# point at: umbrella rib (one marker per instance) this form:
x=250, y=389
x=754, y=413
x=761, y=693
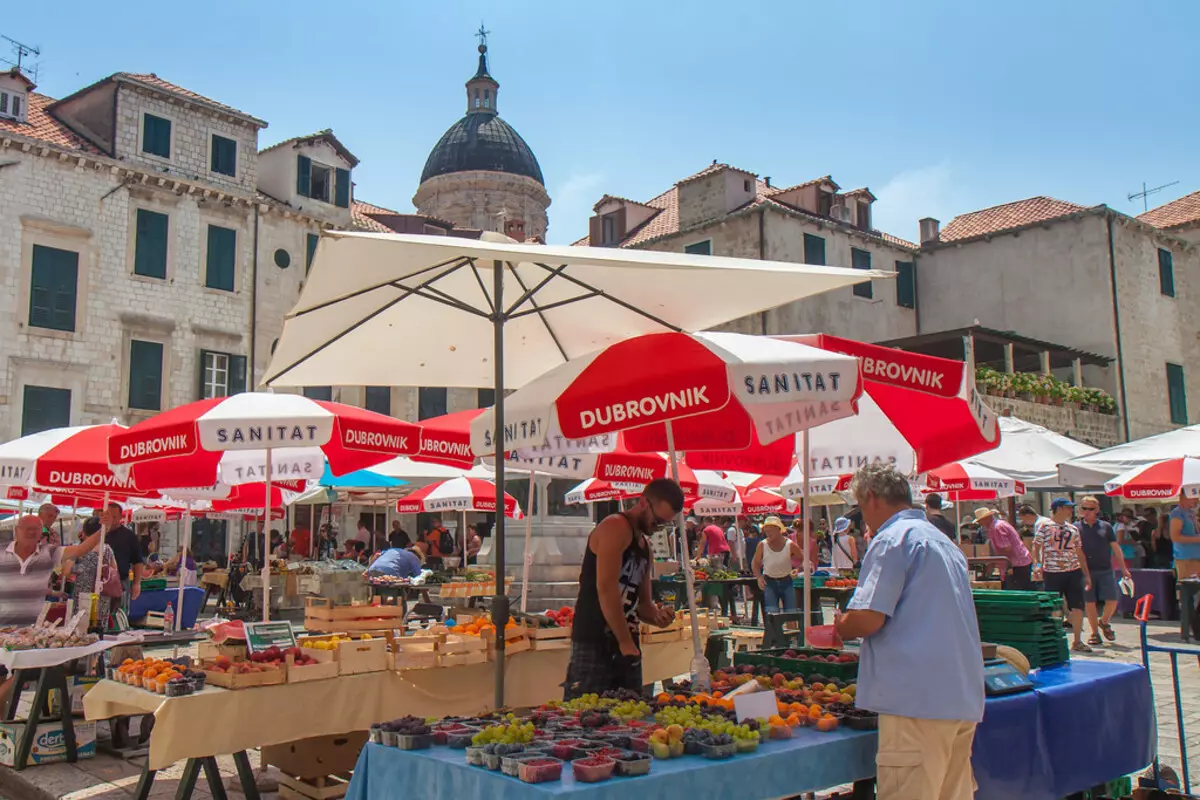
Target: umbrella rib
x=616, y=300
x=528, y=296
x=438, y=296
x=389, y=282
x=541, y=316
x=482, y=288
x=555, y=304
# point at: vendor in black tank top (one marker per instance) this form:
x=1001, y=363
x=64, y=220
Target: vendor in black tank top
x=614, y=595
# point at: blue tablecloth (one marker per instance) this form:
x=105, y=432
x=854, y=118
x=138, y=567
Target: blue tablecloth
x=1085, y=724
x=193, y=597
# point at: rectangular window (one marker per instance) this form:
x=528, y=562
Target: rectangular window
x=864, y=216
x=223, y=156
x=222, y=258
x=150, y=246
x=906, y=284
x=312, y=251
x=608, y=229
x=378, y=399
x=319, y=393
x=16, y=106
x=814, y=250
x=1177, y=394
x=145, y=375
x=320, y=181
x=4, y=103
x=1166, y=272
x=861, y=259
x=431, y=402
x=43, y=408
x=221, y=374
x=156, y=136
x=699, y=248
x=485, y=398
x=53, y=282
x=824, y=203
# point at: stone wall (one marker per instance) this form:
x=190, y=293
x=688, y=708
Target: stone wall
x=483, y=199
x=1090, y=427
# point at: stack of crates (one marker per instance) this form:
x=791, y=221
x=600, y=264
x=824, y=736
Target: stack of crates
x=1027, y=621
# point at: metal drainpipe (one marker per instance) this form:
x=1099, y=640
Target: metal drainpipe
x=251, y=383
x=762, y=256
x=1112, y=277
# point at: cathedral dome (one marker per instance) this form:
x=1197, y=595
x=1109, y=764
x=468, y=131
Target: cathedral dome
x=482, y=141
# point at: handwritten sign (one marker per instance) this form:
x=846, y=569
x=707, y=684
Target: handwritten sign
x=261, y=635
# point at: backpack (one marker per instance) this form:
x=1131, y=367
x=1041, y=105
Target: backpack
x=446, y=543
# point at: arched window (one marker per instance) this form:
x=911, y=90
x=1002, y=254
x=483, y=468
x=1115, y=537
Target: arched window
x=487, y=99
x=477, y=98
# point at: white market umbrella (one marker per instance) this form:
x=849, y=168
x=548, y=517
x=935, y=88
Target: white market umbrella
x=1161, y=480
x=1031, y=454
x=1094, y=469
x=968, y=476
x=497, y=313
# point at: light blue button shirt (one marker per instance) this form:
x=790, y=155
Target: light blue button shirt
x=925, y=661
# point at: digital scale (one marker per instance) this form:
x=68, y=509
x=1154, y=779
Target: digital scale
x=1001, y=678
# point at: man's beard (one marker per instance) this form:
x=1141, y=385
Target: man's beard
x=645, y=524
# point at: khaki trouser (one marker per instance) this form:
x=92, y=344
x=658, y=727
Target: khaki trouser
x=1186, y=567
x=924, y=759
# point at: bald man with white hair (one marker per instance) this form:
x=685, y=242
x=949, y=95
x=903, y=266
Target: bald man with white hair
x=48, y=514
x=25, y=569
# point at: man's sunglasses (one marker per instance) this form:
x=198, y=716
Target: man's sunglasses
x=1089, y=508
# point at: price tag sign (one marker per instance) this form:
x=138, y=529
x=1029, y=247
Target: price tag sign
x=261, y=635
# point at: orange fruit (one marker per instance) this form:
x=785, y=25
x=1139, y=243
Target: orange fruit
x=718, y=695
x=793, y=720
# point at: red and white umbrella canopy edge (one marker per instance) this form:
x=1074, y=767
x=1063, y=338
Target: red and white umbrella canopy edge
x=967, y=476
x=1161, y=480
x=447, y=439
x=719, y=391
x=750, y=503
x=458, y=494
x=594, y=490
x=226, y=439
x=70, y=463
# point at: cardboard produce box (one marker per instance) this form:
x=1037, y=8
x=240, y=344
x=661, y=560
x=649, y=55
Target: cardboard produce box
x=317, y=757
x=50, y=745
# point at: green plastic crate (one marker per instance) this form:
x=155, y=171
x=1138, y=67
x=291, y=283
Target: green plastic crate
x=775, y=659
x=154, y=584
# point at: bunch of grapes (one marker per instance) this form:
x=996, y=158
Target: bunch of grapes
x=585, y=702
x=503, y=749
x=621, y=694
x=408, y=726
x=516, y=733
x=627, y=710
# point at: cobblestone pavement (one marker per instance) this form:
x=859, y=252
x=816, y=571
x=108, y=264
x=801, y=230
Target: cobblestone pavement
x=107, y=777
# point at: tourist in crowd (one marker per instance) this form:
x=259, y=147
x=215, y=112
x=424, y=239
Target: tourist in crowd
x=1124, y=528
x=797, y=536
x=363, y=533
x=714, y=545
x=1058, y=553
x=933, y=511
x=25, y=569
x=614, y=595
x=772, y=567
x=921, y=668
x=252, y=545
x=300, y=542
x=1005, y=541
x=278, y=545
x=737, y=547
x=1164, y=545
x=83, y=571
x=185, y=568
x=1101, y=550
x=396, y=562
x=326, y=543
x=691, y=527
x=474, y=545
x=440, y=544
x=48, y=514
x=1145, y=530
x=844, y=555
x=1030, y=519
x=398, y=537
x=1185, y=536
x=126, y=550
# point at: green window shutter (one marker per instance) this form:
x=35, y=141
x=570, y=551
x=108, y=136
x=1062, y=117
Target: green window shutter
x=156, y=136
x=861, y=260
x=220, y=266
x=319, y=393
x=341, y=188
x=1177, y=394
x=312, y=251
x=150, y=247
x=699, y=248
x=54, y=278
x=303, y=175
x=145, y=375
x=431, y=402
x=237, y=374
x=378, y=399
x=814, y=250
x=44, y=408
x=203, y=362
x=906, y=285
x=1166, y=272
x=224, y=155
x=485, y=398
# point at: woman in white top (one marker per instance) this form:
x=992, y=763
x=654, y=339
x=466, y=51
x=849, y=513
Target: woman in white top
x=773, y=567
x=845, y=549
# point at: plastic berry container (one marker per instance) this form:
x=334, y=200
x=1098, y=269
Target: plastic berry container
x=593, y=769
x=692, y=747
x=492, y=761
x=716, y=752
x=511, y=765
x=375, y=735
x=540, y=770
x=387, y=738
x=475, y=755
x=457, y=740
x=746, y=745
x=414, y=741
x=630, y=765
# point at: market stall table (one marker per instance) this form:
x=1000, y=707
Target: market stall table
x=156, y=601
x=1157, y=582
x=840, y=597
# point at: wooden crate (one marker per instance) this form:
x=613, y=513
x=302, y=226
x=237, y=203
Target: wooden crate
x=462, y=659
x=320, y=614
x=548, y=633
x=550, y=644
x=412, y=659
x=657, y=636
x=246, y=680
x=362, y=655
x=457, y=643
x=310, y=672
x=326, y=787
x=207, y=651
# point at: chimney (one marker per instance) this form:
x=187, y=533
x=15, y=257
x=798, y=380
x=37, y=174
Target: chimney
x=767, y=181
x=930, y=230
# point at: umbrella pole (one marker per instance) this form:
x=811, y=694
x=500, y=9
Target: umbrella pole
x=700, y=669
x=266, y=551
x=805, y=537
x=528, y=539
x=500, y=601
x=187, y=539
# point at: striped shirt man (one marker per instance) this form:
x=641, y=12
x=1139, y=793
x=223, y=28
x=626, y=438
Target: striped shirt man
x=26, y=564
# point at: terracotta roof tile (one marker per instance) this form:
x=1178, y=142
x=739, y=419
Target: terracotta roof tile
x=1175, y=213
x=1006, y=217
x=153, y=81
x=896, y=240
x=323, y=135
x=360, y=217
x=42, y=126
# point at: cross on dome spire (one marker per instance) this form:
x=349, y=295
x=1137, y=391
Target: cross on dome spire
x=482, y=88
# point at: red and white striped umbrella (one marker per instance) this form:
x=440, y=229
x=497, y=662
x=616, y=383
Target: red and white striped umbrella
x=963, y=477
x=66, y=462
x=1162, y=480
x=256, y=436
x=457, y=494
x=593, y=490
x=750, y=503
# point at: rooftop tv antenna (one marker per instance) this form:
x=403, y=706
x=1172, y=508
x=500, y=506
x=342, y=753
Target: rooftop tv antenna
x=1145, y=193
x=22, y=51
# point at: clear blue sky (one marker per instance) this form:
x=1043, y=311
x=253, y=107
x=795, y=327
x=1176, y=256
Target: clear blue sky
x=939, y=107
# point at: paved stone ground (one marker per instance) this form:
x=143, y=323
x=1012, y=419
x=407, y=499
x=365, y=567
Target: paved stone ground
x=107, y=777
